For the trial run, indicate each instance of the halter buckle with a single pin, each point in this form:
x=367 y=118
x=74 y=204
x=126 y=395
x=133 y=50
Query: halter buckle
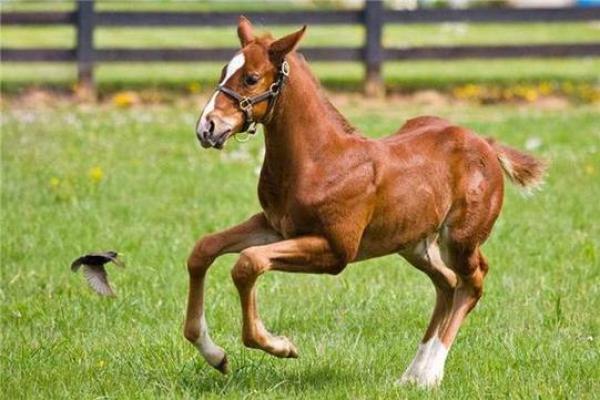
x=245 y=103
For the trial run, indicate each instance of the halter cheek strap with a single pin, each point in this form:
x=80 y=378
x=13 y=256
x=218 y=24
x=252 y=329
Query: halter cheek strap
x=246 y=104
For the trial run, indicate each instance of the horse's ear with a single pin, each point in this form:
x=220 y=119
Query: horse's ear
x=244 y=31
x=281 y=47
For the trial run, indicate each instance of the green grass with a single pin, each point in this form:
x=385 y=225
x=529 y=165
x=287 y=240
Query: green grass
x=317 y=35
x=398 y=75
x=534 y=335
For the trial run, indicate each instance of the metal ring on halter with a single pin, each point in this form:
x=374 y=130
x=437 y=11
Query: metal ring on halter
x=275 y=88
x=285 y=68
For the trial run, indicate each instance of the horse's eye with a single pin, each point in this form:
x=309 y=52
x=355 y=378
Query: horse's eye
x=251 y=79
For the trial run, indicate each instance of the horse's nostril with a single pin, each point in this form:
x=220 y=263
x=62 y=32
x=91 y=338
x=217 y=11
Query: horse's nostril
x=211 y=127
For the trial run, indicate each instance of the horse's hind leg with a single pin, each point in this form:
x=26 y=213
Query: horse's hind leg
x=471 y=268
x=426 y=257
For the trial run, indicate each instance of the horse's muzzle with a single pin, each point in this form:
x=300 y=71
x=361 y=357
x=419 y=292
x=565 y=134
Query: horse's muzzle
x=213 y=133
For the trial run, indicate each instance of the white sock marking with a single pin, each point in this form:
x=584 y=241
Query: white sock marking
x=209 y=350
x=418 y=363
x=234 y=65
x=433 y=372
x=427 y=368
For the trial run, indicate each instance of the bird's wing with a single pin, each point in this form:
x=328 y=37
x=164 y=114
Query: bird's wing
x=97 y=258
x=76 y=264
x=110 y=255
x=97 y=279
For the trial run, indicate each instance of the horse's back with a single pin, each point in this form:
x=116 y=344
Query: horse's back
x=424 y=122
x=437 y=137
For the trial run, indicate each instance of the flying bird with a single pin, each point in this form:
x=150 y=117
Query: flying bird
x=94 y=272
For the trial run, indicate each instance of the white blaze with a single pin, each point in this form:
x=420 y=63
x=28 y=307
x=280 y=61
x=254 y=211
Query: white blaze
x=234 y=65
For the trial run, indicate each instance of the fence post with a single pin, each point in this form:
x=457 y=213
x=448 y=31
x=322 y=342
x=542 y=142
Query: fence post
x=85 y=45
x=373 y=20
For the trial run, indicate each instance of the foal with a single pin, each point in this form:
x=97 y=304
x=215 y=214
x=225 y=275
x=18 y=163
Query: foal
x=431 y=193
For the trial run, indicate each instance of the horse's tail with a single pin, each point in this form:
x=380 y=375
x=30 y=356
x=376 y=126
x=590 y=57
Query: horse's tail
x=522 y=169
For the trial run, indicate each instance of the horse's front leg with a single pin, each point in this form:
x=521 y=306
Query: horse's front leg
x=255 y=231
x=305 y=254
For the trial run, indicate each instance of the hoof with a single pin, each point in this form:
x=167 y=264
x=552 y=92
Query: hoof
x=422 y=380
x=287 y=348
x=282 y=347
x=293 y=352
x=223 y=366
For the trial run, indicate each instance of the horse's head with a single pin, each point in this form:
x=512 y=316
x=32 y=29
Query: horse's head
x=249 y=84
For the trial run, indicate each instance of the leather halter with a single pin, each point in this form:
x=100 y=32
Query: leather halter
x=246 y=104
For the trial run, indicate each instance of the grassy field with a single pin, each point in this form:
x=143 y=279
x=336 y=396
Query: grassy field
x=77 y=178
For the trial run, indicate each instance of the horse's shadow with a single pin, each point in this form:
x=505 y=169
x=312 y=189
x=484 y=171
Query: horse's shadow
x=262 y=376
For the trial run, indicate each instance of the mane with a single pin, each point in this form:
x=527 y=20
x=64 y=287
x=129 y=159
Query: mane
x=333 y=111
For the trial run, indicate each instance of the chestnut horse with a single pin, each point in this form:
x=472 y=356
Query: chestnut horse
x=431 y=192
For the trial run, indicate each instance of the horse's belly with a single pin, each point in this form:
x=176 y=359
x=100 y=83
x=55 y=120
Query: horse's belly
x=377 y=243
x=371 y=247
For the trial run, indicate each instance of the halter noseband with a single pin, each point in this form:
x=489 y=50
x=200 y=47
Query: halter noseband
x=246 y=104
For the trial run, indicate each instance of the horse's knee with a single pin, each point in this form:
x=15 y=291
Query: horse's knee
x=246 y=269
x=203 y=253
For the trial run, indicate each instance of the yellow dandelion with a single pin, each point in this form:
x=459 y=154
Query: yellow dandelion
x=594 y=96
x=194 y=87
x=545 y=88
x=125 y=99
x=54 y=182
x=101 y=364
x=530 y=95
x=472 y=90
x=568 y=87
x=589 y=169
x=469 y=91
x=96 y=174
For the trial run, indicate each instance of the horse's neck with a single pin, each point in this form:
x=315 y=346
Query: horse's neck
x=302 y=126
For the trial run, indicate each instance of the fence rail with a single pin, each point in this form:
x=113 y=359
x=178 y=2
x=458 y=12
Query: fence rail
x=373 y=17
